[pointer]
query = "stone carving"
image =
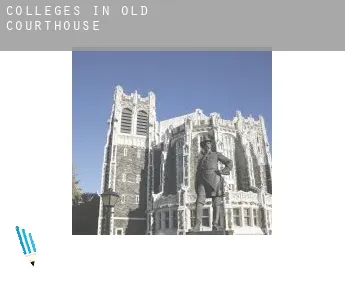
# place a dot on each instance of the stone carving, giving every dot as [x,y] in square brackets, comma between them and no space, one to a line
[220,146]
[118,92]
[151,98]
[215,117]
[268,199]
[126,104]
[127,97]
[191,198]
[186,149]
[118,89]
[182,198]
[227,197]
[226,123]
[131,140]
[242,196]
[142,107]
[162,201]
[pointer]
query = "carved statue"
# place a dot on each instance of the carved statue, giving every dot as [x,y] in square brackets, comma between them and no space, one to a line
[209,182]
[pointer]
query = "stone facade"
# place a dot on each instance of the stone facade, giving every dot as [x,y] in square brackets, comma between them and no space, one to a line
[152,166]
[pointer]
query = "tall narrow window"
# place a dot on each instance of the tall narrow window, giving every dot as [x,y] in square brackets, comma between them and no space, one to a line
[142,120]
[192,218]
[137,199]
[255,217]
[158,221]
[124,177]
[236,216]
[206,217]
[125,152]
[126,121]
[175,219]
[205,220]
[179,177]
[185,171]
[123,199]
[246,212]
[166,220]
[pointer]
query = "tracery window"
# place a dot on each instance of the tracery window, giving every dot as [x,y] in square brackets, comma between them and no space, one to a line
[126,121]
[142,122]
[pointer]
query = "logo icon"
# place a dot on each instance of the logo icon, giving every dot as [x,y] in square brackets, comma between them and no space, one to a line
[28,245]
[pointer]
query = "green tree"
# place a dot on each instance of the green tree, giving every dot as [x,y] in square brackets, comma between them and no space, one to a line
[76,190]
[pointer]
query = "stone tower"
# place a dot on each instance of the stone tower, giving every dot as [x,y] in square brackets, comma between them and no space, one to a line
[127,163]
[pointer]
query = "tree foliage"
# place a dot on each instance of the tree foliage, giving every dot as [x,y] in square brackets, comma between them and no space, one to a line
[85,208]
[76,190]
[85,215]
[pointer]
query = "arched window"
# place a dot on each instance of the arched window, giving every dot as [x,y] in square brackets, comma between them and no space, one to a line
[142,120]
[126,121]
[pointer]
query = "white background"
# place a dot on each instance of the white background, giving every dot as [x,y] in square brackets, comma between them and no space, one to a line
[308,184]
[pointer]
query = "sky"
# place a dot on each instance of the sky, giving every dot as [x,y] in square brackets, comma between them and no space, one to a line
[214,81]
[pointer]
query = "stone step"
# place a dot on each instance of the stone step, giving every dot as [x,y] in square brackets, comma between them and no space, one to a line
[221,232]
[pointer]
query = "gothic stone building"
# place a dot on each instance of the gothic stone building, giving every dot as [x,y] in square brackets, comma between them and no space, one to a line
[152,164]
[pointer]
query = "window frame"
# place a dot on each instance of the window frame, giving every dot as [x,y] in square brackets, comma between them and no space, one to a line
[247,217]
[234,217]
[208,217]
[192,217]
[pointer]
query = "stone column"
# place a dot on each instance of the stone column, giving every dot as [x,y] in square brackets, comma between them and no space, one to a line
[181,213]
[150,143]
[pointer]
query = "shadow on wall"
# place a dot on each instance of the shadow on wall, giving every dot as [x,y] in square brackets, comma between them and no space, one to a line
[135,226]
[85,215]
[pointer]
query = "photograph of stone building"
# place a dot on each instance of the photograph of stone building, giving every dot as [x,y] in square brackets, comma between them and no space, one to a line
[151,164]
